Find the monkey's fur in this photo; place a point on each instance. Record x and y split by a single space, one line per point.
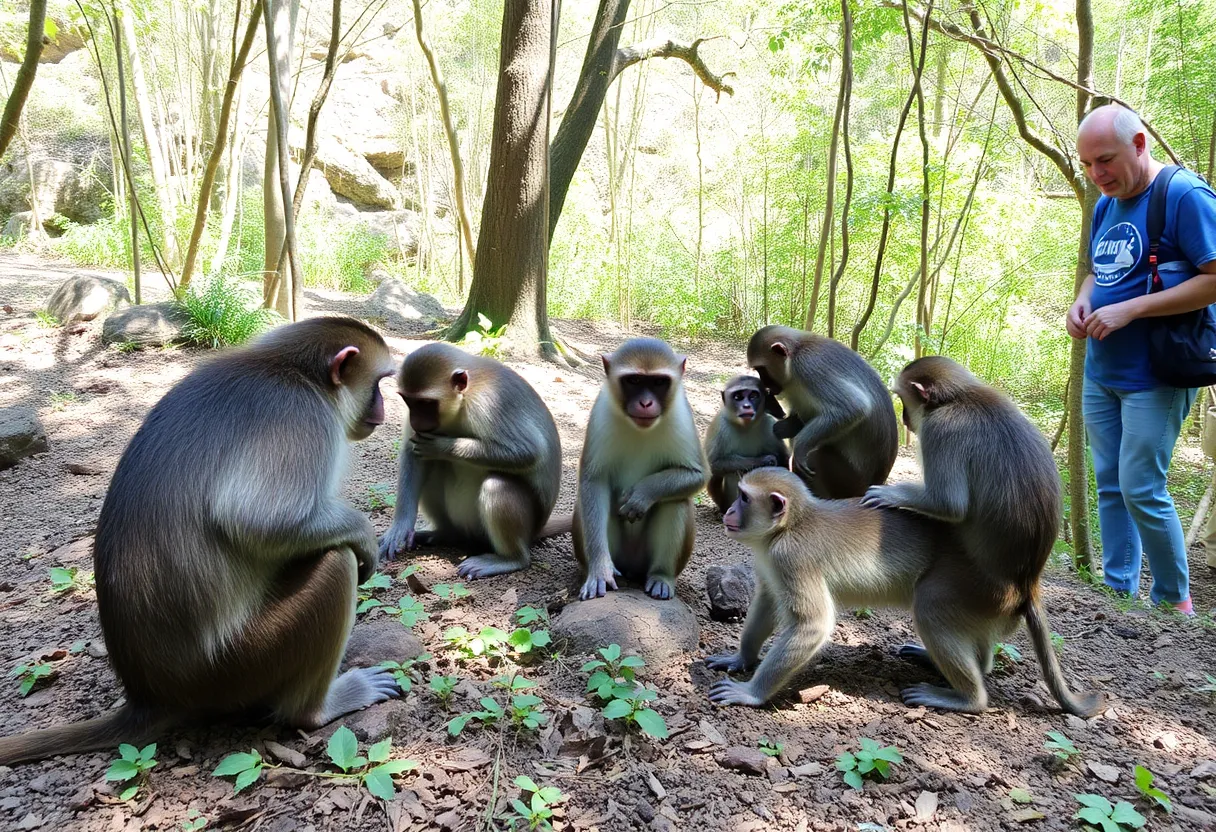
226 562
641 464
814 556
847 436
740 438
480 455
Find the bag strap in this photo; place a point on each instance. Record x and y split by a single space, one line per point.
1155 222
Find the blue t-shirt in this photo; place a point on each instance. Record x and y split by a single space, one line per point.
1119 250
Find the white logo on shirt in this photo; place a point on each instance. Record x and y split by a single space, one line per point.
1117 253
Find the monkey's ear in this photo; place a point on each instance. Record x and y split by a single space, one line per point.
607 359
778 503
920 388
683 364
781 349
723 397
338 363
460 380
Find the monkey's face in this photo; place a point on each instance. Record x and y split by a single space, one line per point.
755 513
356 375
743 404
434 408
913 397
371 415
644 396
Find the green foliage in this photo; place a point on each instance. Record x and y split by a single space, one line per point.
375 583
1006 655
376 770
1057 642
484 339
194 821
60 401
409 611
443 687
611 671
490 714
131 768
1061 746
531 615
31 675
404 672
381 495
769 747
863 613
224 313
1097 812
65 579
524 641
537 812
451 592
45 319
870 761
1144 784
246 768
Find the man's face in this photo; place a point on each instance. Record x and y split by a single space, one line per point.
1116 168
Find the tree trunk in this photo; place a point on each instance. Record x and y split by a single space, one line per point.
829 208
35 38
846 69
232 193
126 160
279 289
512 247
918 87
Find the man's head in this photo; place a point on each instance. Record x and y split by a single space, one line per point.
1113 146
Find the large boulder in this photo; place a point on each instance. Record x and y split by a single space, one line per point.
730 590
151 325
402 308
86 297
21 435
350 175
68 181
400 230
656 630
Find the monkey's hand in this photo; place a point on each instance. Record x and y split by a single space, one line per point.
769 461
730 692
399 538
598 582
431 446
730 662
635 505
882 496
802 467
367 554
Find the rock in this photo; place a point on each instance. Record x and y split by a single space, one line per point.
151 325
86 298
1203 820
807 770
83 469
926 806
711 733
387 156
656 630
1109 774
1205 769
1167 740
18 225
1027 815
812 694
730 590
30 821
68 38
378 640
1075 723
374 723
747 760
399 230
21 435
287 755
645 810
349 174
73 189
401 307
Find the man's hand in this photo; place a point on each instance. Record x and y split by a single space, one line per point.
1077 318
1102 322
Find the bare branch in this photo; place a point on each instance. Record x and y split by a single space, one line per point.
35 39
627 56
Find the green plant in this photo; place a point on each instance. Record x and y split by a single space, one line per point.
872 760
1210 687
1097 811
1061 746
523 640
630 706
409 610
451 592
863 613
45 319
531 615
131 768
404 671
376 582
769 748
381 495
523 709
223 313
125 347
485 339
1057 641
443 687
194 821
33 674
609 671
490 714
246 768
60 401
1144 784
489 642
1006 655
69 579
376 770
537 813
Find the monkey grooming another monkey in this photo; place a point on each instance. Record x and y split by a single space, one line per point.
740 438
482 458
642 463
814 556
226 562
846 434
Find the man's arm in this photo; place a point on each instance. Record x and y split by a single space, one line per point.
1189 295
1081 308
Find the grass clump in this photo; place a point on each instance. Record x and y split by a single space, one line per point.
223 313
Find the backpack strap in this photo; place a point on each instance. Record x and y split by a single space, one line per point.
1155 222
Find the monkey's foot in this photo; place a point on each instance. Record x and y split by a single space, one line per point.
730 692
598 584
730 662
399 538
947 699
660 588
917 655
484 566
880 496
356 689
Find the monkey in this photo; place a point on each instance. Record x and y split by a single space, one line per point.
813 556
741 438
843 426
480 456
226 562
641 464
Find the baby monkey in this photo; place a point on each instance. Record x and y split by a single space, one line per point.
741 438
813 556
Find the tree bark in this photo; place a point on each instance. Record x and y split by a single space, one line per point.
847 74
280 291
918 88
126 161
34 40
509 277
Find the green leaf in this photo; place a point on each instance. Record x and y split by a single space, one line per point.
541 638
616 709
380 784
246 778
128 752
484 322
520 807
397 766
521 639
1095 801
650 722
1144 777
147 752
129 792
456 724
1019 796
633 661
612 652
526 783
343 748
846 761
1126 815
379 752
598 679
865 765
1091 814
853 779
369 604
236 763
51 29
868 744
890 754
592 665
121 771
550 794
524 701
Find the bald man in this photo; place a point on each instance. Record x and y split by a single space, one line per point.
1131 418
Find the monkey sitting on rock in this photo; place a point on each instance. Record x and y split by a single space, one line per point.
741 438
814 556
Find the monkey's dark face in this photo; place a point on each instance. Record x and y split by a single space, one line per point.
644 396
755 512
372 415
424 413
435 407
766 378
913 399
743 404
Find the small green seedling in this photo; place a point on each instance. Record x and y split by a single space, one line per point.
1144 784
32 675
630 706
372 585
451 592
194 821
131 768
1057 641
409 610
443 687
60 401
404 672
489 642
537 813
531 615
1097 812
872 760
769 747
376 770
45 319
492 712
381 495
525 711
125 347
1209 688
523 640
66 579
863 613
611 670
485 340
1006 655
1061 746
246 768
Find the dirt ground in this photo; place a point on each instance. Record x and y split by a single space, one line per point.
958 771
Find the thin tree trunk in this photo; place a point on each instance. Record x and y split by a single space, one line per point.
921 312
126 156
232 193
829 208
846 76
283 285
34 40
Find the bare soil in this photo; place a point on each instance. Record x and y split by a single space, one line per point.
958 769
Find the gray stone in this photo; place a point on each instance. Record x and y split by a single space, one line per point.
398 229
151 325
378 640
86 298
74 189
350 175
746 760
21 435
730 590
656 630
18 225
402 307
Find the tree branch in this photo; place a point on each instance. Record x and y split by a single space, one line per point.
627 56
35 39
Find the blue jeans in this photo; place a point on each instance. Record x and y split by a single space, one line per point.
1132 437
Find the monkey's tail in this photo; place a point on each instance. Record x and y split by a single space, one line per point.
127 724
1082 705
558 524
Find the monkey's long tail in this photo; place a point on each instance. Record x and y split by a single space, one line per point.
558 524
1082 705
127 724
